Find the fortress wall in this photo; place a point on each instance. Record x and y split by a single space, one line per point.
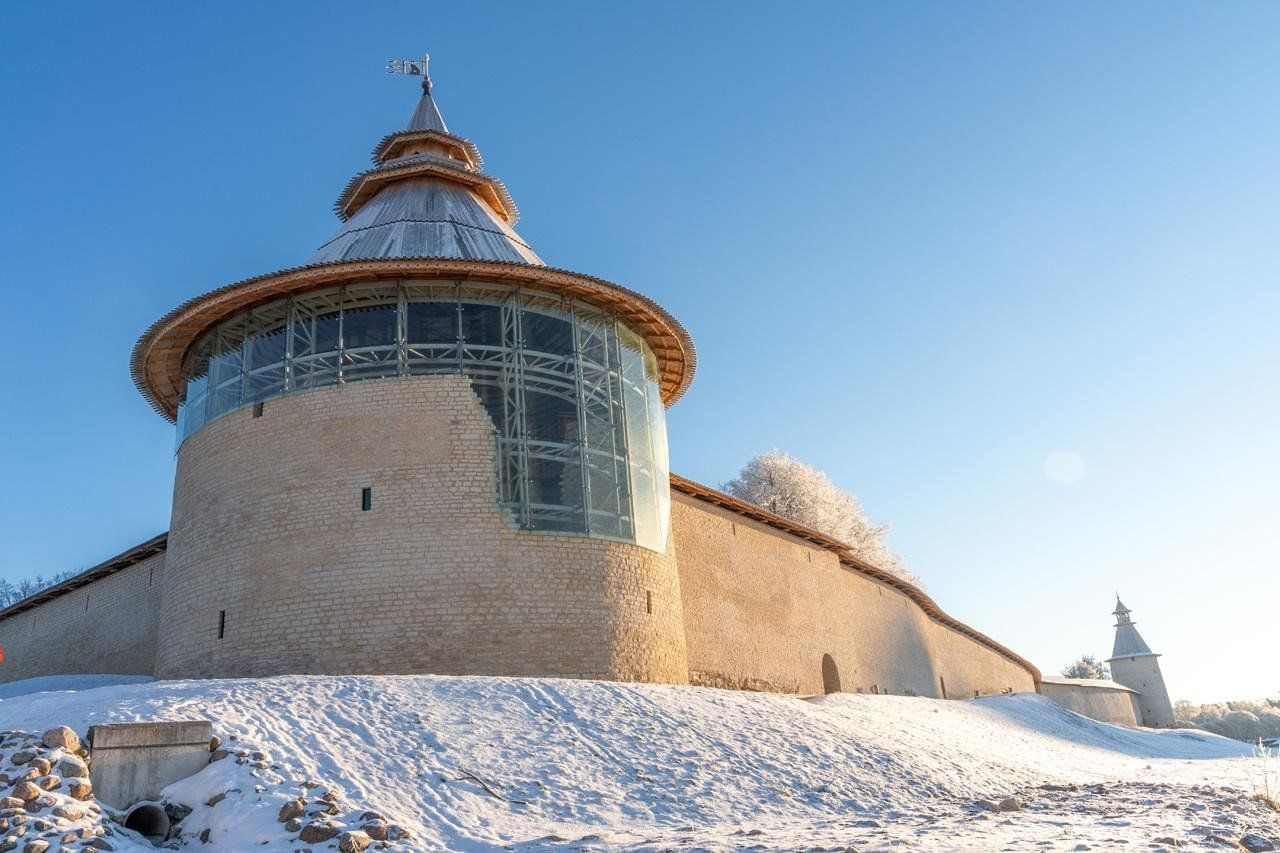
763 608
267 526
108 626
1108 705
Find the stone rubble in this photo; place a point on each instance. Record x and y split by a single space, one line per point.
47 803
46 798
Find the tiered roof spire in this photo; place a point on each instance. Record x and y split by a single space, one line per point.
426 197
1129 642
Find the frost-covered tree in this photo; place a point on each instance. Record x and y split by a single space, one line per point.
1087 666
788 487
1246 719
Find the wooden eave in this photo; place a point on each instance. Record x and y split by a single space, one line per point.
118 563
847 559
389 146
157 358
366 185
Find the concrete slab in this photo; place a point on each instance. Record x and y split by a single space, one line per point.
134 761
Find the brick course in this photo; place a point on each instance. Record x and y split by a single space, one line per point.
762 608
267 528
108 626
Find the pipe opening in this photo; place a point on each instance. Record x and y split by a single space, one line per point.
149 820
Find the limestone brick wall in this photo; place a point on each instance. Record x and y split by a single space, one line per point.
269 542
767 610
108 626
1096 703
1143 675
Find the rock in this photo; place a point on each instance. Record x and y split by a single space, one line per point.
218 755
71 767
36 845
216 798
396 832
1255 843
1167 841
319 807
329 796
176 812
367 816
22 756
80 789
99 844
68 812
375 829
40 765
27 791
353 842
293 825
214 743
10 803
61 736
292 809
318 831
50 782
1009 804
204 836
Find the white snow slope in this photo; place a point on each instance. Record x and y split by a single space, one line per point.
582 764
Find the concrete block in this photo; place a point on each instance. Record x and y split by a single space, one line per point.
134 761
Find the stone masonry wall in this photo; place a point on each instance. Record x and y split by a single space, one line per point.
1096 703
1143 675
108 626
762 609
268 540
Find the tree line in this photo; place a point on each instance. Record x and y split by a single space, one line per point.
1246 719
12 593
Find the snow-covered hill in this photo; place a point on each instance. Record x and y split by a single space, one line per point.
484 763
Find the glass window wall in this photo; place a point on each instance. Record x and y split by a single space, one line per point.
573 394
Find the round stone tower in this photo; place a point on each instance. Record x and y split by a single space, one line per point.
422 451
1134 665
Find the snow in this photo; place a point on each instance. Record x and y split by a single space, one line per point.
474 763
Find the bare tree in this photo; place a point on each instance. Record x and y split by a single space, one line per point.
1087 666
788 487
12 593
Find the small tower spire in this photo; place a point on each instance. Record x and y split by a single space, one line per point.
1134 665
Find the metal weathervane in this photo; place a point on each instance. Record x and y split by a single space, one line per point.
410 67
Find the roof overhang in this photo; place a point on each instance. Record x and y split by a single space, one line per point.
366 185
390 146
118 563
158 355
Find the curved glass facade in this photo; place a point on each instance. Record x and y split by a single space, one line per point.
572 393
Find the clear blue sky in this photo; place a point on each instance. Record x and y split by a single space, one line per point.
922 246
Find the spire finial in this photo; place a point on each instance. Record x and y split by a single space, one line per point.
427 115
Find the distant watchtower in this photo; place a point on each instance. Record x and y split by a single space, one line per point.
1134 665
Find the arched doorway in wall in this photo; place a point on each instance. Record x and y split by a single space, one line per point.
830 675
